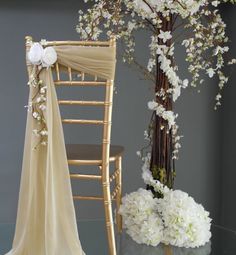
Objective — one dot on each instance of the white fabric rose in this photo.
(35, 53)
(38, 55)
(49, 57)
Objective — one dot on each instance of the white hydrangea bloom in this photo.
(186, 223)
(140, 217)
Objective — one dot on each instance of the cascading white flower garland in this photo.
(40, 58)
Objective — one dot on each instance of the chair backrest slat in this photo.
(80, 83)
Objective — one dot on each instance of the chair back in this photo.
(82, 80)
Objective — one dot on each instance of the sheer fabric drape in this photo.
(46, 221)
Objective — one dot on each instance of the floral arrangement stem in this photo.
(162, 164)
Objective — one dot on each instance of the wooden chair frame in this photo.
(104, 163)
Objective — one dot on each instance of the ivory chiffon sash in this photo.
(46, 221)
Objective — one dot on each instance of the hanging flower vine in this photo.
(39, 58)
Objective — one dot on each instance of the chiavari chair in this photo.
(100, 156)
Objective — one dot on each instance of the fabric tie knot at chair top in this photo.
(46, 221)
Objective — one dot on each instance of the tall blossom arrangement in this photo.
(196, 25)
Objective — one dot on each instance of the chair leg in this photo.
(109, 218)
(118, 165)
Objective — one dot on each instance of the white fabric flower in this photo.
(49, 57)
(35, 53)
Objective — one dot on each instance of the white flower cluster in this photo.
(205, 39)
(169, 116)
(186, 223)
(38, 55)
(148, 178)
(140, 217)
(39, 58)
(152, 7)
(175, 219)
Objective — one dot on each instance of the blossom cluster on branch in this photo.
(196, 25)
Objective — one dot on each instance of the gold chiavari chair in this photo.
(94, 155)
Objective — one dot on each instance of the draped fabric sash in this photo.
(46, 221)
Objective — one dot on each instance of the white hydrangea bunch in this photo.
(186, 223)
(140, 217)
(175, 219)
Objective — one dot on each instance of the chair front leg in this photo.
(109, 217)
(118, 165)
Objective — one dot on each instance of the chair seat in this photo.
(90, 151)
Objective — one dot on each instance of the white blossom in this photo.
(210, 72)
(165, 36)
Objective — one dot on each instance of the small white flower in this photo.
(42, 107)
(210, 72)
(185, 83)
(165, 36)
(43, 90)
(185, 43)
(131, 26)
(152, 105)
(44, 133)
(218, 97)
(35, 115)
(35, 132)
(176, 93)
(215, 3)
(232, 61)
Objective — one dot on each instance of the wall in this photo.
(228, 122)
(199, 165)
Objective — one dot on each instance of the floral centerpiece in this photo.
(197, 26)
